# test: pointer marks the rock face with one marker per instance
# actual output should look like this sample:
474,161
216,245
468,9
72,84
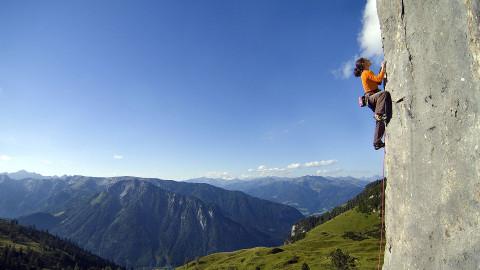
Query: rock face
432,48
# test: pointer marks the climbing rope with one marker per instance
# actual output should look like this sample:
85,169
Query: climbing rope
382,197
382,207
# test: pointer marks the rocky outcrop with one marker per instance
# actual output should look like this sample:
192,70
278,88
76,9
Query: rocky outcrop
432,48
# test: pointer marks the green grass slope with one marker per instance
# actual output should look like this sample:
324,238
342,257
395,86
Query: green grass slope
313,250
353,227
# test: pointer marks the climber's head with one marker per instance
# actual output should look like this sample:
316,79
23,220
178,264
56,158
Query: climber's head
361,65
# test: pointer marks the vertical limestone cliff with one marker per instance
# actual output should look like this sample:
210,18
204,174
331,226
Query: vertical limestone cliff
432,48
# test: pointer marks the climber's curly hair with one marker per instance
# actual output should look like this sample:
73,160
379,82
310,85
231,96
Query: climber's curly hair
359,66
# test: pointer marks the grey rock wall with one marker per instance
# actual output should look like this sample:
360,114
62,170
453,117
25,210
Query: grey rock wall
432,48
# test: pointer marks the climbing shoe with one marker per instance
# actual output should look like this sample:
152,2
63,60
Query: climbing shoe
380,117
378,145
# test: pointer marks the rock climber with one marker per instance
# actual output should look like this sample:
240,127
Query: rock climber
378,101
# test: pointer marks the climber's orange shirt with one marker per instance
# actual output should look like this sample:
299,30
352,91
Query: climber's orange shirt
370,81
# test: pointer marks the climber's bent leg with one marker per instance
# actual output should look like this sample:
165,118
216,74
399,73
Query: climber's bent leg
380,102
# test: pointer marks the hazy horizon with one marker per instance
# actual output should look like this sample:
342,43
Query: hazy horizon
213,178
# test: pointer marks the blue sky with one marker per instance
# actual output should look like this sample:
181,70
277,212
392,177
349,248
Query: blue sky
184,88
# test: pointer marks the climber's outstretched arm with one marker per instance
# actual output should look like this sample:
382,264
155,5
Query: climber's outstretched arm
376,78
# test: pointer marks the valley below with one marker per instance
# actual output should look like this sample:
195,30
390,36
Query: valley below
144,223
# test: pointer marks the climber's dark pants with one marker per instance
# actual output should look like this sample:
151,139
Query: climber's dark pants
381,104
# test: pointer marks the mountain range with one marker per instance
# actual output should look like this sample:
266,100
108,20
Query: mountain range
140,222
311,195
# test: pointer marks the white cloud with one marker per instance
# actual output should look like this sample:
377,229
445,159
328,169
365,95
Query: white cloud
324,172
370,38
266,170
320,163
5,158
221,175
274,169
345,70
118,157
294,166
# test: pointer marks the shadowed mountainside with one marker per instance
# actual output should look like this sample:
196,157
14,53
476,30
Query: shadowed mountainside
152,222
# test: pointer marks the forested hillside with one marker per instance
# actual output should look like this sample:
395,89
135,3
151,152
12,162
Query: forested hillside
27,248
